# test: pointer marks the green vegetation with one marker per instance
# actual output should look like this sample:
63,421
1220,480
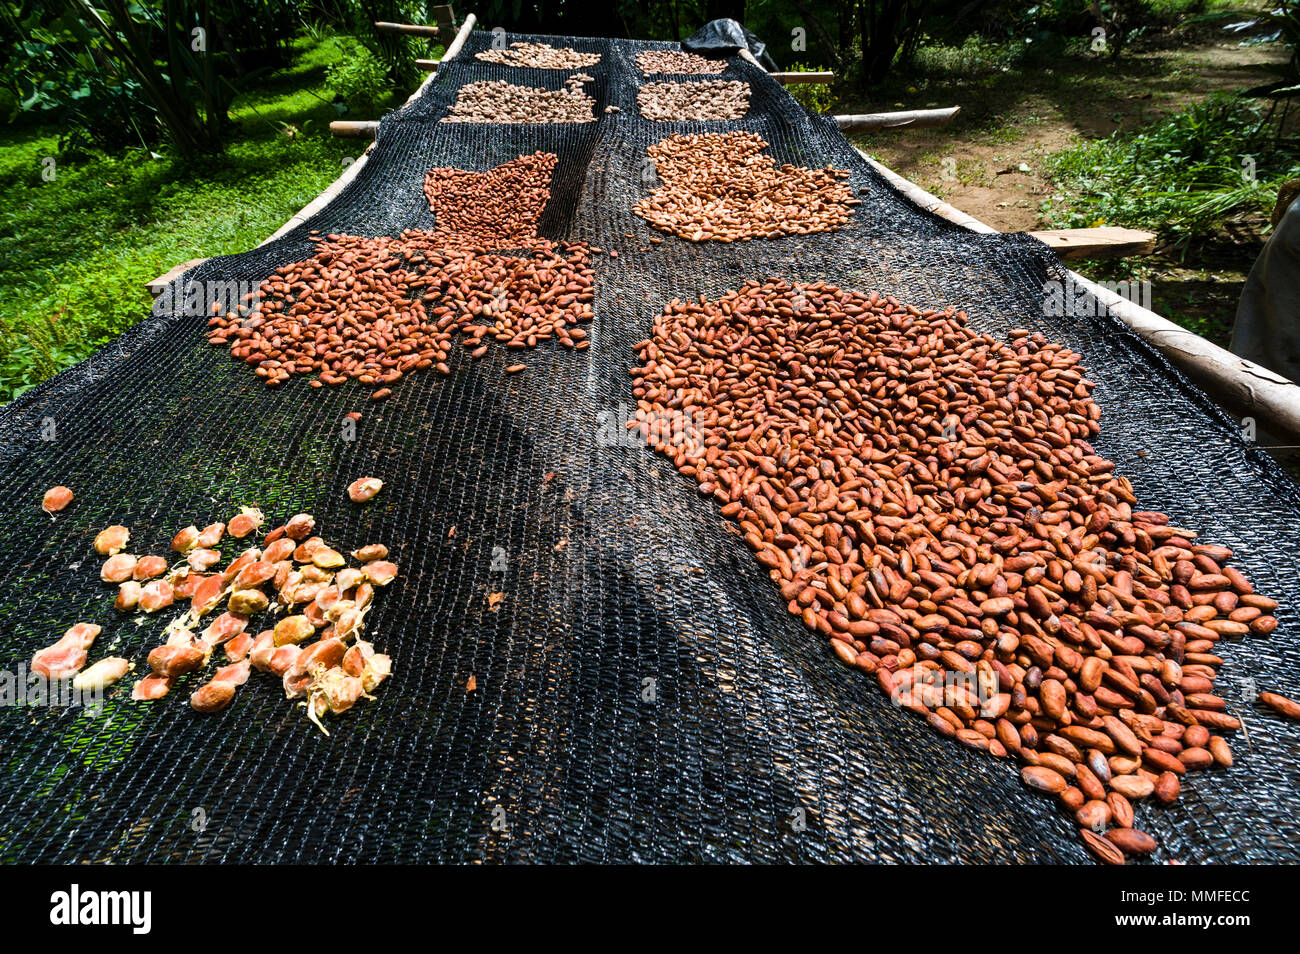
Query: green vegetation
1180,178
76,251
814,97
357,76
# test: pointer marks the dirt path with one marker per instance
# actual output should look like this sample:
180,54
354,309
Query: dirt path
988,162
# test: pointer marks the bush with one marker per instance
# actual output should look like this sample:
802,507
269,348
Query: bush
1182,178
814,97
397,53
976,57
359,77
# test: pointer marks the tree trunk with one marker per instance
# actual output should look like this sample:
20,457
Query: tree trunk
887,26
824,38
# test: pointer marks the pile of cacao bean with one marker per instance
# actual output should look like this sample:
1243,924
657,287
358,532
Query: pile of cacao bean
720,187
673,61
539,56
314,647
496,209
376,309
495,101
704,100
927,499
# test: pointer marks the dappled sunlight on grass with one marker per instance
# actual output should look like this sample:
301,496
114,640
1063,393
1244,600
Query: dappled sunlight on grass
75,252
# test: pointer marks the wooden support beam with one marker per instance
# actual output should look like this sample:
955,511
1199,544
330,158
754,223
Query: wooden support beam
406,29
1108,242
156,286
912,118
793,79
445,17
459,40
427,65
354,128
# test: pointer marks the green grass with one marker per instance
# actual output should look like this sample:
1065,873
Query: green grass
1181,177
75,252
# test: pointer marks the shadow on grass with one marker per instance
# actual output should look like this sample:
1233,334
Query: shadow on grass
1090,92
75,251
69,217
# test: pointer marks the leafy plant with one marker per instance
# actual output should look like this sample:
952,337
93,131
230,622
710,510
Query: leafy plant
1122,21
814,97
1181,178
397,53
358,76
58,73
193,130
120,72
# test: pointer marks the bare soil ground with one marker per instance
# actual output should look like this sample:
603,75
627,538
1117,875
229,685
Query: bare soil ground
989,161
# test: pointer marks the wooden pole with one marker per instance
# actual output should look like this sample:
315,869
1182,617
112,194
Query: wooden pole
407,29
914,119
354,129
461,36
1110,241
794,79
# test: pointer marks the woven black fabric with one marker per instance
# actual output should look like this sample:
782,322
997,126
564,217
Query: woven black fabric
616,571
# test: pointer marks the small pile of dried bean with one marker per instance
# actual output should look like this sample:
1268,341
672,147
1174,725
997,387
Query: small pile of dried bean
721,187
375,309
673,61
495,209
495,101
927,498
710,99
539,56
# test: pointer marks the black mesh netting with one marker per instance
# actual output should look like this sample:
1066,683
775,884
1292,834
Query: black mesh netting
615,572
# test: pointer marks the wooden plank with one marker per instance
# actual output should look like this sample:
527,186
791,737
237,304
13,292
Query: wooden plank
354,128
912,118
156,286
1107,242
427,65
406,29
794,79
